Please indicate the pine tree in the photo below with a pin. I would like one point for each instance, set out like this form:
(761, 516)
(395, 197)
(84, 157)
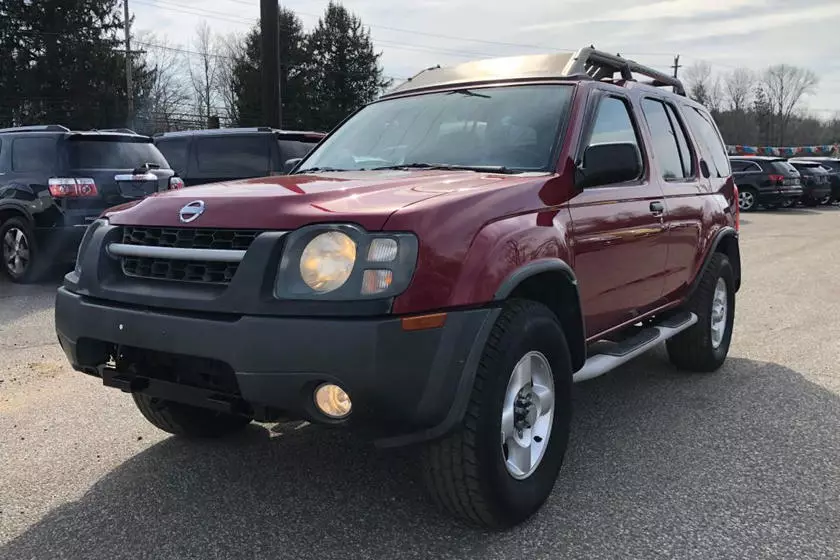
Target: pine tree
(62, 63)
(247, 75)
(343, 71)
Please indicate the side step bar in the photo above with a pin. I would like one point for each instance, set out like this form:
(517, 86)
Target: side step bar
(620, 353)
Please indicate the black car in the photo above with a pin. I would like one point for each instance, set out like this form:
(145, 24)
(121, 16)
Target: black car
(765, 181)
(225, 154)
(816, 182)
(832, 166)
(55, 181)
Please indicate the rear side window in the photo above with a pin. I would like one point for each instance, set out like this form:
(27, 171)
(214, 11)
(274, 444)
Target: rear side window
(709, 138)
(99, 153)
(234, 156)
(33, 154)
(290, 149)
(175, 151)
(666, 141)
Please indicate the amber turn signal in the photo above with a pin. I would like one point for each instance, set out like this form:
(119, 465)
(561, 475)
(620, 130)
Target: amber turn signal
(422, 322)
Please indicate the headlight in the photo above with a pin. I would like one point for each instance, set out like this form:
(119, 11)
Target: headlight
(344, 263)
(327, 261)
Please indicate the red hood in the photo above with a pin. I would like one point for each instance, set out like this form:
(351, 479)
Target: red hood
(287, 202)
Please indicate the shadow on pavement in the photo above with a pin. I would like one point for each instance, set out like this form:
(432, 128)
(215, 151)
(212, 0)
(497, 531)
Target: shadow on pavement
(21, 300)
(742, 463)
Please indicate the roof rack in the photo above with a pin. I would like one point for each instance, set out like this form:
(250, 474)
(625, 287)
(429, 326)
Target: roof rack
(121, 130)
(600, 65)
(37, 128)
(587, 63)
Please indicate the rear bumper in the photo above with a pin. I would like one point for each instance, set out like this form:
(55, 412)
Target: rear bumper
(406, 386)
(817, 192)
(779, 195)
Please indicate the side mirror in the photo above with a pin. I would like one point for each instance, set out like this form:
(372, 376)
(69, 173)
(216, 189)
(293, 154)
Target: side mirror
(290, 164)
(606, 164)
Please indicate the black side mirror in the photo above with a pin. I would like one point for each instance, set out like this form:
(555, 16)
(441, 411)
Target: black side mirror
(606, 164)
(290, 164)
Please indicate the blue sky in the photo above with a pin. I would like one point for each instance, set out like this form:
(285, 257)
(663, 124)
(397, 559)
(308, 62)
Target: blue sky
(421, 33)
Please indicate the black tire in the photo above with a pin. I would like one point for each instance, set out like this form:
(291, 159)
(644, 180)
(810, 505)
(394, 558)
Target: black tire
(33, 270)
(465, 472)
(692, 349)
(188, 421)
(748, 199)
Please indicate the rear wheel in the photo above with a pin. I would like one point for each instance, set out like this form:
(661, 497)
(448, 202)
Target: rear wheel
(747, 199)
(704, 346)
(500, 465)
(18, 251)
(189, 421)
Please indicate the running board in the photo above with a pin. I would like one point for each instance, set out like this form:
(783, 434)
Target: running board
(622, 352)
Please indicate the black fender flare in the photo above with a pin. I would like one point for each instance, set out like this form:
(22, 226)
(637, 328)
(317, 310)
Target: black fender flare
(572, 320)
(734, 253)
(18, 207)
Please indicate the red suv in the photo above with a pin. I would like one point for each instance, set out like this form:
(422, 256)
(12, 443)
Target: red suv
(437, 272)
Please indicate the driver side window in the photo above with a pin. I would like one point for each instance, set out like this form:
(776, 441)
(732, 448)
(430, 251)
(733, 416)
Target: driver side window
(613, 124)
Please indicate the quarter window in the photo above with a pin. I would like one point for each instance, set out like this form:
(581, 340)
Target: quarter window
(33, 154)
(707, 135)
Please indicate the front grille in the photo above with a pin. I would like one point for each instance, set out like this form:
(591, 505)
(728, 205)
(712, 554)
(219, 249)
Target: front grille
(206, 272)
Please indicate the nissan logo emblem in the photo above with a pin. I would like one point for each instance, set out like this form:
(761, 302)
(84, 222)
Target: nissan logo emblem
(191, 211)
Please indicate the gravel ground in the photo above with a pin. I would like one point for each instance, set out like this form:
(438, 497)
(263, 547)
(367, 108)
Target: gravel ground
(744, 463)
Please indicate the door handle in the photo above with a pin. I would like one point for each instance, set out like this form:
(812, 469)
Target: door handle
(657, 208)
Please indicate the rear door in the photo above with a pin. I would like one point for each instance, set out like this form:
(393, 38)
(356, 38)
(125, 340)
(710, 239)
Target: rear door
(677, 169)
(618, 229)
(226, 157)
(124, 168)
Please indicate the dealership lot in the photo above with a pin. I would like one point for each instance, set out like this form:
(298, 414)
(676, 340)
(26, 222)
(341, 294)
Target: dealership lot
(741, 463)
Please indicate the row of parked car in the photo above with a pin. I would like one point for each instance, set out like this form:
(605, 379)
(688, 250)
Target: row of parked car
(774, 182)
(55, 181)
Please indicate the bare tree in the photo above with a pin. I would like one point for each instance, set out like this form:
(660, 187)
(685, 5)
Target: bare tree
(704, 86)
(169, 89)
(739, 85)
(204, 71)
(785, 87)
(230, 50)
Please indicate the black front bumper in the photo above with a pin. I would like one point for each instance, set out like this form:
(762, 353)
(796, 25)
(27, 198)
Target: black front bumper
(406, 386)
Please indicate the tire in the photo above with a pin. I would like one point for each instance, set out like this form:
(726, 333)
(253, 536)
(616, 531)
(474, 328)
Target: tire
(466, 472)
(698, 348)
(825, 201)
(18, 252)
(188, 421)
(748, 199)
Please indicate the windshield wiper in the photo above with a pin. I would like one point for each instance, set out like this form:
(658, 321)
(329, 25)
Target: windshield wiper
(469, 93)
(446, 166)
(320, 170)
(142, 168)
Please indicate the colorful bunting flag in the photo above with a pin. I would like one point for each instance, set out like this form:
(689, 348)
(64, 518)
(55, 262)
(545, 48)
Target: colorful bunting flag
(791, 151)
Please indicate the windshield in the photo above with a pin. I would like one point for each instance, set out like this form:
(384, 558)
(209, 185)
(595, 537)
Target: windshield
(512, 127)
(99, 153)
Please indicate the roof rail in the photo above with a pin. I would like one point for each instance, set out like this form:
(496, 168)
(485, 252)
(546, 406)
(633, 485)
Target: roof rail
(600, 65)
(37, 128)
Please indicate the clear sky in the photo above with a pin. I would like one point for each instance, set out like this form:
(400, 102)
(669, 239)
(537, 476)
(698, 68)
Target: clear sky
(416, 34)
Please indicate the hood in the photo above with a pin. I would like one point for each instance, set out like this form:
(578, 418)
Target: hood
(287, 202)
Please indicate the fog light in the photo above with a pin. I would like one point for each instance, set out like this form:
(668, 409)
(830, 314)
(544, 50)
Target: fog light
(332, 400)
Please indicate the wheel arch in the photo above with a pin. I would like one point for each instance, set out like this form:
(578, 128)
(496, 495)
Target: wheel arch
(725, 242)
(9, 209)
(553, 283)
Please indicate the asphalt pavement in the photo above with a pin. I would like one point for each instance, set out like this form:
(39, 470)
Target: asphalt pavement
(742, 463)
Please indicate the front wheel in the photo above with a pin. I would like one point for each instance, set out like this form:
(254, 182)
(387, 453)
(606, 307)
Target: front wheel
(500, 465)
(188, 421)
(704, 346)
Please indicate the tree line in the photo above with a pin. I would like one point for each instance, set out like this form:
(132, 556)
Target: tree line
(64, 62)
(764, 108)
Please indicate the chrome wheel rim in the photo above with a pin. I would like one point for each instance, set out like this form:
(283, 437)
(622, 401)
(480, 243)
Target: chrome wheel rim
(746, 200)
(16, 251)
(527, 415)
(719, 312)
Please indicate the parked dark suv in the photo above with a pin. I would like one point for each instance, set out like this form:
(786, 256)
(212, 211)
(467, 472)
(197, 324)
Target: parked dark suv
(54, 182)
(832, 167)
(437, 272)
(765, 181)
(225, 154)
(816, 182)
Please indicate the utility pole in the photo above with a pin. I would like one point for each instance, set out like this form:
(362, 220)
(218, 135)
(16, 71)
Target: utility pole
(270, 59)
(129, 85)
(676, 68)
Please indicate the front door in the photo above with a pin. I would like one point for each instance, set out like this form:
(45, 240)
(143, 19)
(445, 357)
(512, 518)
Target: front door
(618, 231)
